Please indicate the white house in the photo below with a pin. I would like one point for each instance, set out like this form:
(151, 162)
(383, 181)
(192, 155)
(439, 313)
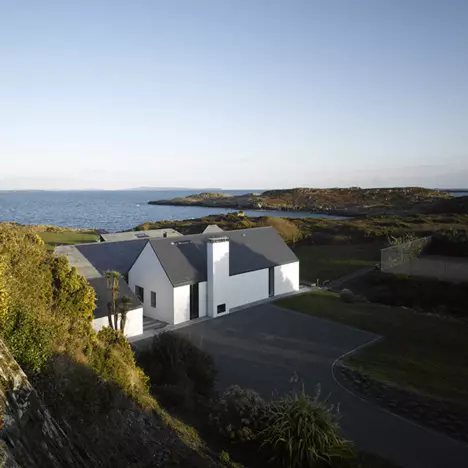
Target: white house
(180, 278)
(187, 277)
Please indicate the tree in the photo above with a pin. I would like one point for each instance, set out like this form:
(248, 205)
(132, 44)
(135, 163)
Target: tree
(113, 278)
(124, 307)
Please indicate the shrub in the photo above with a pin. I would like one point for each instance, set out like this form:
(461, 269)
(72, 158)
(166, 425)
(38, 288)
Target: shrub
(224, 457)
(303, 431)
(237, 415)
(286, 229)
(174, 360)
(112, 358)
(346, 295)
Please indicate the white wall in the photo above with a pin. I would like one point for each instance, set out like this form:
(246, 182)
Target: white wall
(286, 278)
(181, 304)
(202, 298)
(248, 287)
(218, 276)
(148, 273)
(133, 326)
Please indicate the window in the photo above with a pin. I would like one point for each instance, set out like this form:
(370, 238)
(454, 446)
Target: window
(140, 293)
(153, 299)
(221, 308)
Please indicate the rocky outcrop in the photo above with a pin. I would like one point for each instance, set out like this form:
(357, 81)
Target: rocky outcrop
(352, 201)
(29, 436)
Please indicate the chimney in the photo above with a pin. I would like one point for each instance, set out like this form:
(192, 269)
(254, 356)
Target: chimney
(217, 263)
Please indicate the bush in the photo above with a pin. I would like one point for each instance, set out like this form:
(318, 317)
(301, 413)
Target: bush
(286, 229)
(346, 295)
(302, 431)
(174, 360)
(238, 414)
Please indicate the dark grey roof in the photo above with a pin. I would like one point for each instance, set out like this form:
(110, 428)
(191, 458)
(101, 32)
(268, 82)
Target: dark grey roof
(184, 258)
(118, 256)
(133, 235)
(103, 295)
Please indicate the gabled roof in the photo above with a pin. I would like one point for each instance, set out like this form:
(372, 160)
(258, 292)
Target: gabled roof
(185, 261)
(116, 256)
(103, 295)
(78, 260)
(134, 235)
(212, 228)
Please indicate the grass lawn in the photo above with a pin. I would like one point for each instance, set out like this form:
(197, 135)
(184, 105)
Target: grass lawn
(52, 239)
(329, 262)
(424, 353)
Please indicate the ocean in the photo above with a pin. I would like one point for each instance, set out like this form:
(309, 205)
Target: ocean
(112, 211)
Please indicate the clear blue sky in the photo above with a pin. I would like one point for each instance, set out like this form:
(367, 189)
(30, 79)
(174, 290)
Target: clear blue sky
(233, 93)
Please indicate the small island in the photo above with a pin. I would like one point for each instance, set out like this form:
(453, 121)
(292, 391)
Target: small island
(353, 201)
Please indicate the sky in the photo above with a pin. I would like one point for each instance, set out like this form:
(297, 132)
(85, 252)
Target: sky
(233, 93)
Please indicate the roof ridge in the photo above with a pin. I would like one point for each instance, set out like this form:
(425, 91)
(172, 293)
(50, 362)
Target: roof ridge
(208, 234)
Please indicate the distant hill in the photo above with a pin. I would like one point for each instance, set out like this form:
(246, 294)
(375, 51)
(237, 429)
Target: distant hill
(352, 201)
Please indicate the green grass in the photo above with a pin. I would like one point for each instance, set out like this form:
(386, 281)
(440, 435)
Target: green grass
(423, 353)
(329, 262)
(52, 239)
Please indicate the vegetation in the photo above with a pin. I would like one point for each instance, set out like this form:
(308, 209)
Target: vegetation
(341, 201)
(179, 370)
(53, 239)
(451, 244)
(329, 262)
(113, 278)
(421, 294)
(303, 431)
(346, 295)
(415, 351)
(238, 414)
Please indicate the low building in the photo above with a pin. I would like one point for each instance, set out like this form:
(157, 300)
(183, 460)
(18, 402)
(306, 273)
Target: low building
(177, 279)
(134, 235)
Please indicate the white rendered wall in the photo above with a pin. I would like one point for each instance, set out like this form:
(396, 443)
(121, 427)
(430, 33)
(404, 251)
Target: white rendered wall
(181, 304)
(286, 278)
(148, 273)
(202, 298)
(248, 287)
(218, 276)
(133, 326)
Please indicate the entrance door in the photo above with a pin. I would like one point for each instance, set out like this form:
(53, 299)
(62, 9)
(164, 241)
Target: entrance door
(271, 282)
(194, 301)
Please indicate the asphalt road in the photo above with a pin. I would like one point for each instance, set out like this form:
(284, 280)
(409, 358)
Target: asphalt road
(273, 350)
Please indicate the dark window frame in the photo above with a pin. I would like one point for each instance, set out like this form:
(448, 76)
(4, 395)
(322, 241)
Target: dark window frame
(140, 293)
(153, 299)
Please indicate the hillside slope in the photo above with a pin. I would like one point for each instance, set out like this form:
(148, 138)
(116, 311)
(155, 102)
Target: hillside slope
(336, 201)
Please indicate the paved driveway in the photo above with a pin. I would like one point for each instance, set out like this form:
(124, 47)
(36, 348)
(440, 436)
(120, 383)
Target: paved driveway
(266, 348)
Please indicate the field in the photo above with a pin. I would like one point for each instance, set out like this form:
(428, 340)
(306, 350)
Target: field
(329, 262)
(423, 353)
(53, 239)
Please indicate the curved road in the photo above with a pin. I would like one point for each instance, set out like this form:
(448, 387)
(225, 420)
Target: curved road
(266, 347)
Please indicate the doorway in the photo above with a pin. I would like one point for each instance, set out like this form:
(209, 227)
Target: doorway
(194, 301)
(271, 281)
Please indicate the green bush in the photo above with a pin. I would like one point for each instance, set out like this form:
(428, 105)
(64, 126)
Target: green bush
(346, 295)
(174, 360)
(238, 414)
(302, 431)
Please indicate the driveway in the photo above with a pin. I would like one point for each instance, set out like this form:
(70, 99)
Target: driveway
(273, 350)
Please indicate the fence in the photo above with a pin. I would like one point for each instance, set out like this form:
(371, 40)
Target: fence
(406, 259)
(401, 255)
